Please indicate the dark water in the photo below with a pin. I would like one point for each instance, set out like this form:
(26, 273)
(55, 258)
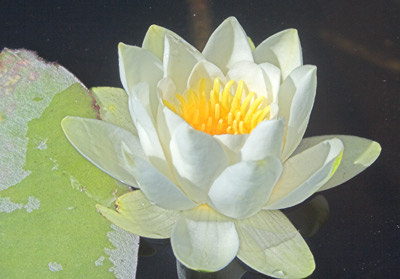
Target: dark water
(356, 47)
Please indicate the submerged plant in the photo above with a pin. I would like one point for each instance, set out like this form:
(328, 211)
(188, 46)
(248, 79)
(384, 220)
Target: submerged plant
(219, 148)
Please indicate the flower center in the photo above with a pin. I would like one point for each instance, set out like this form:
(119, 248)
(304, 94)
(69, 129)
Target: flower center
(220, 112)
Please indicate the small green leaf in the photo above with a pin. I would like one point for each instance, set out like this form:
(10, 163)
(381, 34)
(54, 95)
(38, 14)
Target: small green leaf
(113, 103)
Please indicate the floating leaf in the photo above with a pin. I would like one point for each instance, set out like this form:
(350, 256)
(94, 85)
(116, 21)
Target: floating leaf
(27, 86)
(48, 221)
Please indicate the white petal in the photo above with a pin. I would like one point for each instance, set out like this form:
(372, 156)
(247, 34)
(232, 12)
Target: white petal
(170, 122)
(138, 65)
(167, 90)
(148, 134)
(295, 100)
(154, 40)
(304, 173)
(141, 94)
(233, 142)
(179, 60)
(207, 71)
(264, 140)
(273, 114)
(232, 145)
(198, 159)
(204, 240)
(272, 76)
(101, 143)
(251, 74)
(135, 214)
(282, 49)
(227, 45)
(163, 133)
(358, 154)
(155, 186)
(243, 189)
(173, 120)
(270, 244)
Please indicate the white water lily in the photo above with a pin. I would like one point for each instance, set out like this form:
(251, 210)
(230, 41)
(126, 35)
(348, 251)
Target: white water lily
(219, 148)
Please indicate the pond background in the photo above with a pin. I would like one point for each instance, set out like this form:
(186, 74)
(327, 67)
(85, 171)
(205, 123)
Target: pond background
(356, 47)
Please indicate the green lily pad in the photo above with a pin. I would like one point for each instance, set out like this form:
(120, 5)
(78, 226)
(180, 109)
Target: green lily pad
(48, 222)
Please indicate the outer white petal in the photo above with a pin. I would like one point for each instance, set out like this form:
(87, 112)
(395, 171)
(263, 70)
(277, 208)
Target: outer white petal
(207, 71)
(154, 40)
(156, 187)
(270, 244)
(101, 143)
(135, 214)
(179, 60)
(243, 189)
(227, 45)
(272, 76)
(358, 154)
(139, 65)
(147, 132)
(252, 75)
(282, 49)
(198, 159)
(295, 100)
(304, 173)
(264, 140)
(204, 240)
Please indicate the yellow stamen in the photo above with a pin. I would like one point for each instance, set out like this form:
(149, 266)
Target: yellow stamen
(230, 118)
(220, 111)
(225, 94)
(264, 113)
(193, 98)
(180, 99)
(196, 116)
(254, 119)
(169, 105)
(237, 117)
(217, 111)
(213, 98)
(202, 88)
(216, 86)
(209, 123)
(242, 130)
(246, 102)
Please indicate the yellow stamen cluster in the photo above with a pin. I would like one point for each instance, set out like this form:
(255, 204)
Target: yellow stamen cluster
(220, 112)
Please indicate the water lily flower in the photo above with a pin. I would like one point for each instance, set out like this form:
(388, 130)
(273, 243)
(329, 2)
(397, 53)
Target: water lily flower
(219, 148)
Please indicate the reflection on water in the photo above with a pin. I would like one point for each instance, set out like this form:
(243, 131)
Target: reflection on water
(234, 270)
(309, 217)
